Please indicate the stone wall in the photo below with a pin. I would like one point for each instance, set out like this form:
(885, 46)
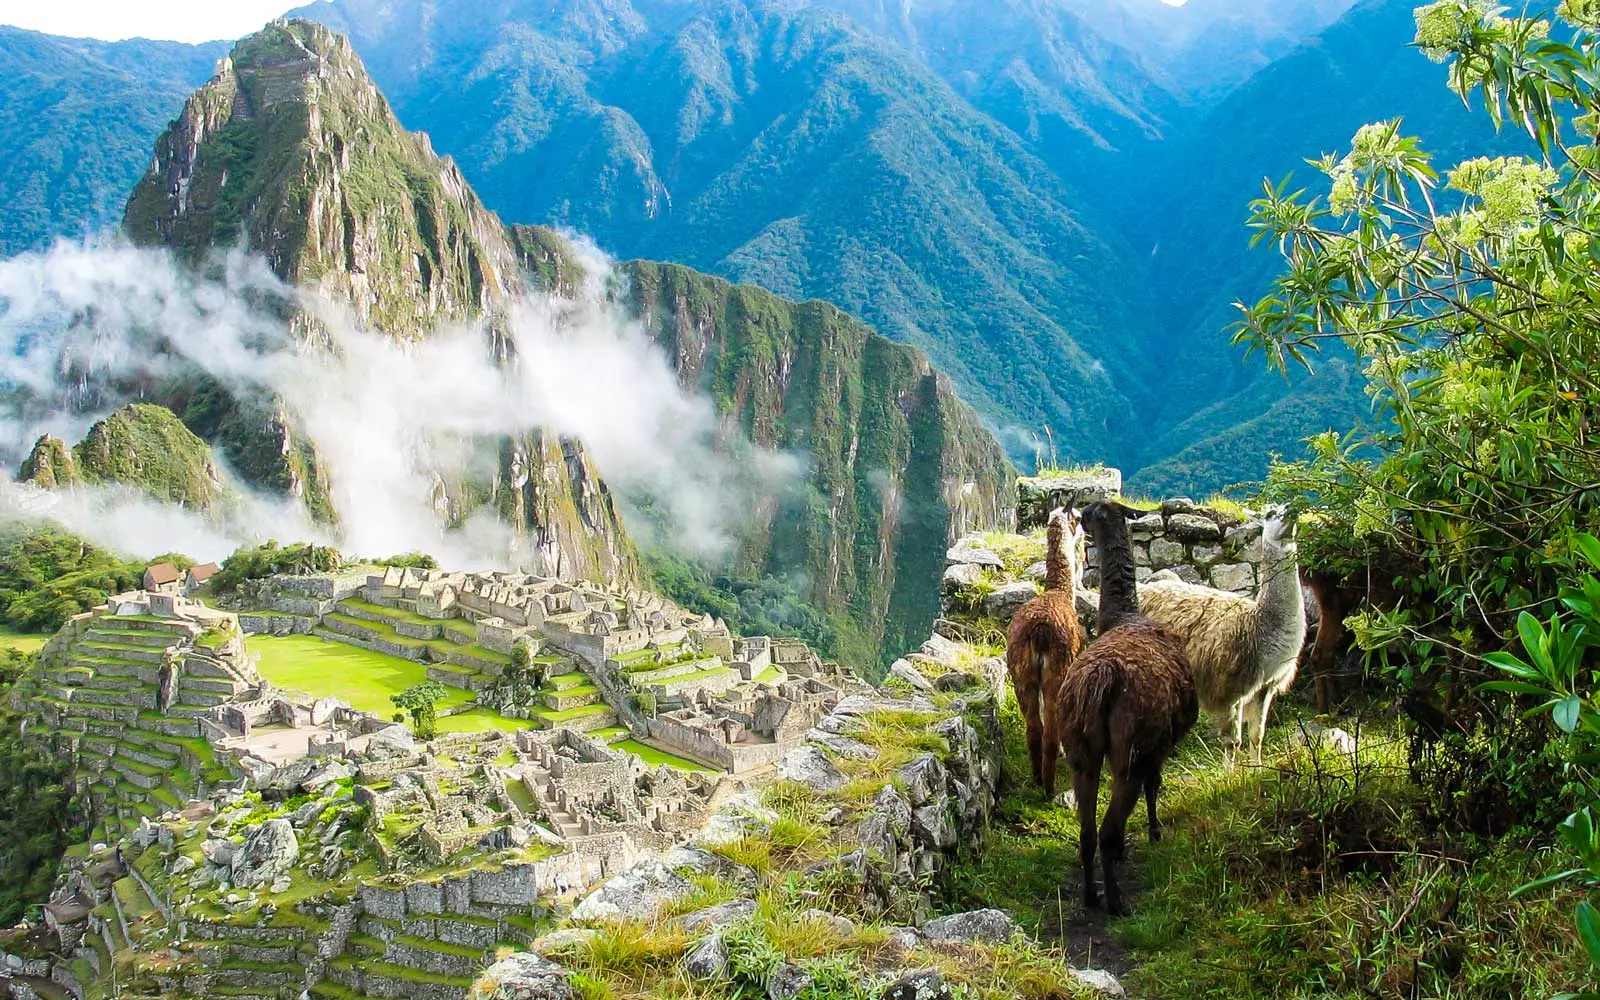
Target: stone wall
(1199, 544)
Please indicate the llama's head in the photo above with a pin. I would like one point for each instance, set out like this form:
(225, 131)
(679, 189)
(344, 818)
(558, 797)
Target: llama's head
(1074, 541)
(1278, 531)
(1105, 519)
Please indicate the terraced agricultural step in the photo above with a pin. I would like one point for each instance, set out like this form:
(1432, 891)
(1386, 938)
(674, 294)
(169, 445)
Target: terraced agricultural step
(123, 651)
(122, 636)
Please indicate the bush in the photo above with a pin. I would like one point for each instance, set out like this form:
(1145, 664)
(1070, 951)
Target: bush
(48, 575)
(269, 559)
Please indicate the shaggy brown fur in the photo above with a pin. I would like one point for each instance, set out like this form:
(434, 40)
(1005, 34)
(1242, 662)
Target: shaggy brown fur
(1044, 638)
(1128, 698)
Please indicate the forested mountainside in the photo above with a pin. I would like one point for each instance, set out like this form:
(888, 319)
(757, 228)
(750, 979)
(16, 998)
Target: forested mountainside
(1308, 103)
(1047, 198)
(139, 445)
(783, 145)
(77, 117)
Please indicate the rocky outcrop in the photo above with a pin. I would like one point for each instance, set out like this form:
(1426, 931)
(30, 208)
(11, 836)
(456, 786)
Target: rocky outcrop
(141, 445)
(292, 151)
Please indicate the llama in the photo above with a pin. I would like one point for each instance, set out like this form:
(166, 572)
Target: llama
(1128, 698)
(1243, 652)
(1044, 637)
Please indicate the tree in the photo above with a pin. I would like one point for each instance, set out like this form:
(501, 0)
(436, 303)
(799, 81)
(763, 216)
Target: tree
(421, 700)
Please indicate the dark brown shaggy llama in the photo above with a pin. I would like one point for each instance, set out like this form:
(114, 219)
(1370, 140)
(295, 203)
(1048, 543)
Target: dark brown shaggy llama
(1128, 698)
(1045, 636)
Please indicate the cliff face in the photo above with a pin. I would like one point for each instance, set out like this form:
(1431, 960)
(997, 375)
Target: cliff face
(291, 152)
(896, 465)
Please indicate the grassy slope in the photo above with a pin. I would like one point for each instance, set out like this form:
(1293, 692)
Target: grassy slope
(1306, 878)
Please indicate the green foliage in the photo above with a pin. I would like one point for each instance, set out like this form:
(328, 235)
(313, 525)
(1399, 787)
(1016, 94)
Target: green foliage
(409, 560)
(270, 559)
(47, 576)
(422, 701)
(38, 816)
(78, 119)
(1468, 293)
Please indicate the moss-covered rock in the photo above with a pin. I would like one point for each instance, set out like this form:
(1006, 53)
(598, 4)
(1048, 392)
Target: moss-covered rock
(141, 445)
(49, 465)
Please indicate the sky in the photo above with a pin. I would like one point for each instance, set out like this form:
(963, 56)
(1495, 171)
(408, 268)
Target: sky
(176, 20)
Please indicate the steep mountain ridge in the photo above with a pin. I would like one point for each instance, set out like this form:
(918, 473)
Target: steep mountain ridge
(791, 148)
(140, 445)
(291, 150)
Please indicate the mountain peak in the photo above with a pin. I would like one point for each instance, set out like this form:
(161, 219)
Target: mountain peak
(292, 151)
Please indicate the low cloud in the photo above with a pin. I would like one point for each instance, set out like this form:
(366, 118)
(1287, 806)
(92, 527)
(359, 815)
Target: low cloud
(86, 328)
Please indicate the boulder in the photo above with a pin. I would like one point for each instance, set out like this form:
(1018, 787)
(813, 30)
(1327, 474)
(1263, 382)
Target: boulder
(842, 926)
(961, 576)
(524, 976)
(1005, 601)
(714, 918)
(1146, 527)
(922, 779)
(270, 850)
(941, 650)
(788, 982)
(923, 984)
(1099, 980)
(708, 960)
(1165, 552)
(902, 670)
(636, 893)
(843, 746)
(990, 926)
(1193, 528)
(810, 767)
(970, 552)
(564, 940)
(903, 938)
(1179, 505)
(324, 709)
(1037, 572)
(182, 865)
(390, 742)
(327, 774)
(218, 851)
(1240, 578)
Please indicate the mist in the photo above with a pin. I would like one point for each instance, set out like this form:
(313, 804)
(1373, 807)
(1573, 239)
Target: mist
(86, 328)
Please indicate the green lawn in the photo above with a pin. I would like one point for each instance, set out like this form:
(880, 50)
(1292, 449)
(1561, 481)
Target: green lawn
(361, 677)
(650, 755)
(481, 720)
(22, 642)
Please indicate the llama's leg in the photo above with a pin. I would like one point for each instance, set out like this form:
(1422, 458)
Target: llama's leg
(1086, 787)
(1028, 700)
(1233, 735)
(1050, 742)
(1125, 791)
(1152, 788)
(1258, 721)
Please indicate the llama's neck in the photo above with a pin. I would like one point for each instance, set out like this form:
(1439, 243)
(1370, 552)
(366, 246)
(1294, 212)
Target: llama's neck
(1280, 608)
(1119, 591)
(1057, 572)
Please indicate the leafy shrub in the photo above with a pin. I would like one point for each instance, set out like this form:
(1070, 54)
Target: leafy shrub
(270, 559)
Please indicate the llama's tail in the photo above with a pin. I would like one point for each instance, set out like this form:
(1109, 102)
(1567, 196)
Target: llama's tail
(1056, 576)
(1089, 698)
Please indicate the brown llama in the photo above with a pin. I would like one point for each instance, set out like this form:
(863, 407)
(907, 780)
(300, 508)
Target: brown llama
(1129, 697)
(1044, 637)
